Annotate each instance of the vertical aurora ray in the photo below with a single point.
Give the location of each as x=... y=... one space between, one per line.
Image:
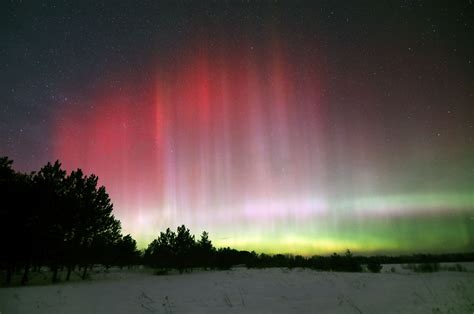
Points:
x=240 y=141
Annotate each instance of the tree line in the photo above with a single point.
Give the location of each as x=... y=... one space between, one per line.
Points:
x=65 y=222
x=183 y=252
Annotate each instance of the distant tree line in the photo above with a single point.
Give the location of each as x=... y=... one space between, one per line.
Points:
x=65 y=222
x=183 y=252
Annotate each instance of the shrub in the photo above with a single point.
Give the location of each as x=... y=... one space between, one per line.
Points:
x=374 y=266
x=426 y=268
x=160 y=272
x=456 y=267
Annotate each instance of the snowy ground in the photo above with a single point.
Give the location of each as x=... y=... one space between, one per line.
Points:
x=250 y=291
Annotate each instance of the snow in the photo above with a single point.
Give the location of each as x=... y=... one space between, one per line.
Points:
x=242 y=290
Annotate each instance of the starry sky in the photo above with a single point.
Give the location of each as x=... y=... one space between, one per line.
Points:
x=292 y=127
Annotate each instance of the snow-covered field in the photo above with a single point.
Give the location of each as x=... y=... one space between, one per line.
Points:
x=250 y=291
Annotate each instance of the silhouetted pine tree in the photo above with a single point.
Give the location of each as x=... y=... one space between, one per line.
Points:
x=161 y=252
x=205 y=252
x=185 y=248
x=16 y=221
x=126 y=253
x=51 y=214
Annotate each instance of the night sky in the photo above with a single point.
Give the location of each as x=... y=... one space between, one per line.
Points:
x=275 y=126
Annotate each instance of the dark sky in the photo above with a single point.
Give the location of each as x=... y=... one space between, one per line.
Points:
x=55 y=52
x=371 y=98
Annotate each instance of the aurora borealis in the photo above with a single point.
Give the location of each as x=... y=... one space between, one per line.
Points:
x=277 y=128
